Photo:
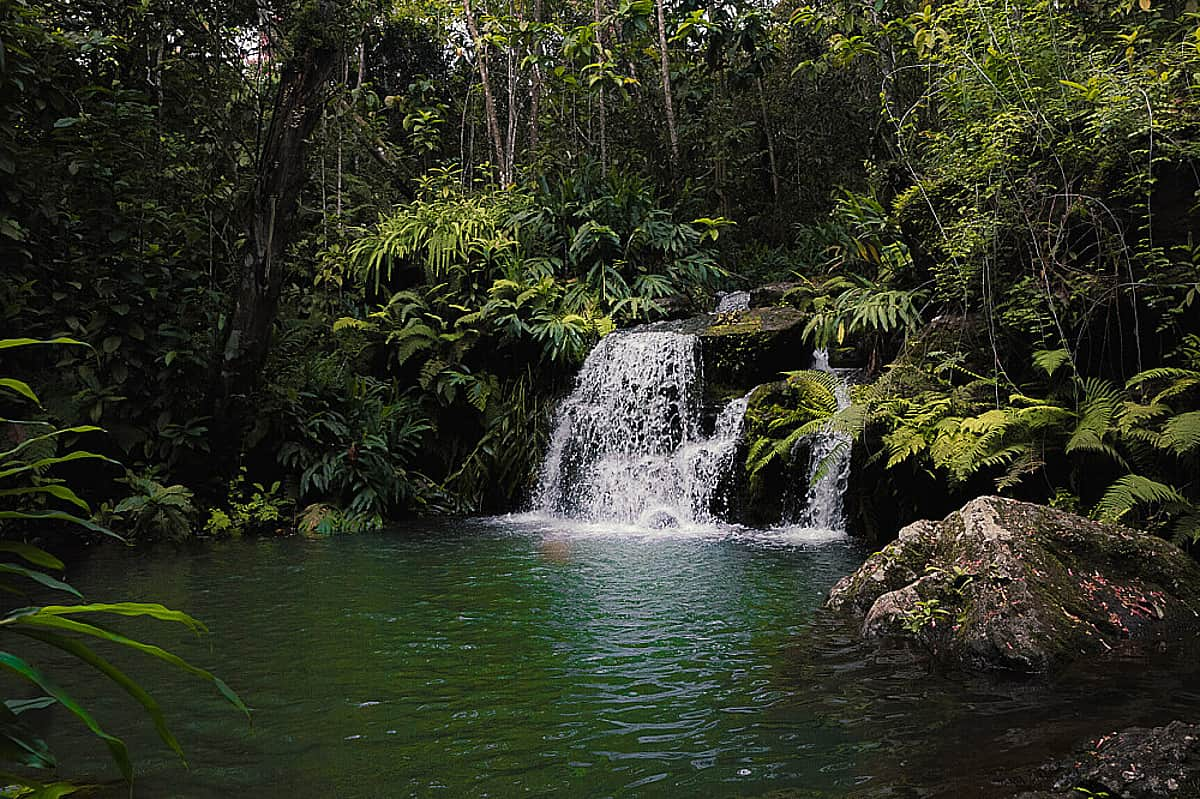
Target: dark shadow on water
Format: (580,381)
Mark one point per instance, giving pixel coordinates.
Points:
(945,735)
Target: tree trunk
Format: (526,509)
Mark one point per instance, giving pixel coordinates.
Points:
(510,134)
(271,226)
(762,103)
(489,102)
(536,89)
(598,17)
(666,84)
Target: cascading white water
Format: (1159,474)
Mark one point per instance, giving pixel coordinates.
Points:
(828,466)
(627,444)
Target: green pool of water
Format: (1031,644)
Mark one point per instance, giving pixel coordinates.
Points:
(504,658)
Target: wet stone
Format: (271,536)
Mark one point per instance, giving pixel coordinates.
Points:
(1007,585)
(1136,763)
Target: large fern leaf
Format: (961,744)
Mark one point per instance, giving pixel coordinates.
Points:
(1181,433)
(1097,418)
(1133,491)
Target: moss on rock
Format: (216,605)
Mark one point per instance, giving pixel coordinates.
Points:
(742,349)
(1001,584)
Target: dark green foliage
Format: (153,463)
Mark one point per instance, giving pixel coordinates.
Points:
(354,452)
(153,510)
(1026,168)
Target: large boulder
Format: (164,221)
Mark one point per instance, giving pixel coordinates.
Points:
(742,349)
(1137,763)
(1001,584)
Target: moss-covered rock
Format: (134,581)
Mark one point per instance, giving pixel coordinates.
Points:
(745,348)
(1001,584)
(771,294)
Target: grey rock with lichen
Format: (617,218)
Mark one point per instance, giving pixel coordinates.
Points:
(1007,585)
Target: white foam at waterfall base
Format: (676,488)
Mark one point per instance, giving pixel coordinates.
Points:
(627,446)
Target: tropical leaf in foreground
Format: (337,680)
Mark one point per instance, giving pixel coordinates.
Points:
(64,627)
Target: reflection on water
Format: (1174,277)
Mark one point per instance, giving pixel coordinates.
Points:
(512,657)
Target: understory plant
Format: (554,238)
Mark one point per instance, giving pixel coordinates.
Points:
(250,509)
(1125,453)
(354,453)
(153,511)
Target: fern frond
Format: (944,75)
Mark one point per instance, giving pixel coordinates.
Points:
(1026,464)
(429,372)
(1133,414)
(1181,434)
(1097,417)
(1186,528)
(1050,361)
(1130,492)
(350,323)
(834,455)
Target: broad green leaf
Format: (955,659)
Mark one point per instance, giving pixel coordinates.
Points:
(87,655)
(57,515)
(39,577)
(19,706)
(152,609)
(20,387)
(53,622)
(35,555)
(9,343)
(54,490)
(53,790)
(27,672)
(20,744)
(82,428)
(44,462)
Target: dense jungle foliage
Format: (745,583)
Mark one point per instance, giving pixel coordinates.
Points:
(331,263)
(335,261)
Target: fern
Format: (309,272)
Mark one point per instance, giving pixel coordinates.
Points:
(1050,361)
(1133,491)
(1097,418)
(1181,434)
(1186,528)
(350,323)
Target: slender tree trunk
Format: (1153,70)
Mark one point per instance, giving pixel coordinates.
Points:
(766,121)
(271,225)
(510,133)
(598,16)
(489,102)
(535,90)
(668,103)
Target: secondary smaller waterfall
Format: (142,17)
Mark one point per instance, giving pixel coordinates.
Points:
(627,444)
(828,466)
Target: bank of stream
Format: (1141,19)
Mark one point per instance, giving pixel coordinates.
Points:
(527,656)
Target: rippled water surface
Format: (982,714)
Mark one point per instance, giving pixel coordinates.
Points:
(512,658)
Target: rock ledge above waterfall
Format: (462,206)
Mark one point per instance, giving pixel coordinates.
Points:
(1001,584)
(744,348)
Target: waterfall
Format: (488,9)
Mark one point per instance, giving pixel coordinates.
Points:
(828,465)
(628,444)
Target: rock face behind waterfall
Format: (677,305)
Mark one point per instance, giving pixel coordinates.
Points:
(742,349)
(1001,584)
